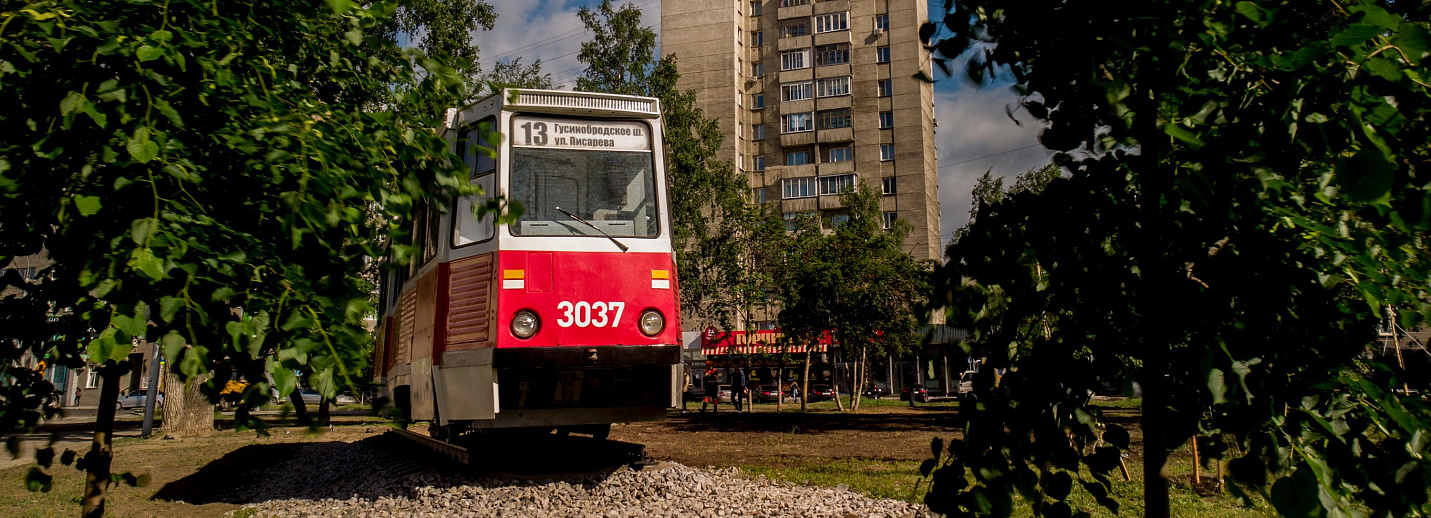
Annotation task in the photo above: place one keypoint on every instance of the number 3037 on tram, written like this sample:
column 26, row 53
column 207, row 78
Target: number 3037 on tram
column 564, row 319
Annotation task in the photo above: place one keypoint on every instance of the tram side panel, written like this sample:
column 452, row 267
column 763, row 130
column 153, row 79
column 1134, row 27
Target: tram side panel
column 464, row 380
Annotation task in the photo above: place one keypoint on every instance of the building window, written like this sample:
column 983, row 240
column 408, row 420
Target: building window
column 887, row 185
column 882, row 21
column 757, row 132
column 841, row 154
column 832, row 22
column 91, row 379
column 796, row 91
column 839, row 220
column 837, row 54
column 886, row 152
column 757, row 69
column 758, row 102
column 740, row 162
column 793, row 3
column 757, row 38
column 885, row 88
column 797, row 158
column 760, row 163
column 886, row 120
column 889, row 218
column 792, row 218
column 836, row 184
column 833, row 119
column 755, row 9
column 792, row 188
column 797, row 122
column 833, row 86
column 795, row 28
column 795, row 59
column 882, row 54
column 758, row 195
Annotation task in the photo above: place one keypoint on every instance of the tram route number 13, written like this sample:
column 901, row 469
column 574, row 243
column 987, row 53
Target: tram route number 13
column 592, row 314
column 536, row 135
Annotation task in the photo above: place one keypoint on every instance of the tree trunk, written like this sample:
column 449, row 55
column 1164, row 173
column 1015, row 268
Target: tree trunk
column 323, row 418
column 187, row 412
column 1156, row 476
column 805, row 381
column 780, row 385
column 300, row 410
column 101, row 453
column 838, row 403
column 860, row 380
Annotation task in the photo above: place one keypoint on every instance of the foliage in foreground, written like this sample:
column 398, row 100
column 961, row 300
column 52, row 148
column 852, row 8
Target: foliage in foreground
column 1246, row 194
column 212, row 176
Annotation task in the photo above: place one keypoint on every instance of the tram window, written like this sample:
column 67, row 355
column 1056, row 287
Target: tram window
column 482, row 166
column 419, row 238
column 614, row 190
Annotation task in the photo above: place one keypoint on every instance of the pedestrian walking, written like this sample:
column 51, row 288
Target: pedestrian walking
column 795, row 391
column 712, row 390
column 737, row 388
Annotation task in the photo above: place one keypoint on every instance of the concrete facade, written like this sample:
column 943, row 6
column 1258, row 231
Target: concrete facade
column 779, row 75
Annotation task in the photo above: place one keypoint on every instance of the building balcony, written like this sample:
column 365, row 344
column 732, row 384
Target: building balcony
column 832, row 71
column 829, row 38
column 773, row 174
column 794, row 42
column 836, row 135
column 799, row 11
column 831, row 6
column 803, row 138
column 789, row 107
column 830, row 202
column 830, row 103
column 799, row 74
column 834, row 168
column 799, row 205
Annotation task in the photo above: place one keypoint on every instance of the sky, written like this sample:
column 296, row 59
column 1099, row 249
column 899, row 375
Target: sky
column 974, row 134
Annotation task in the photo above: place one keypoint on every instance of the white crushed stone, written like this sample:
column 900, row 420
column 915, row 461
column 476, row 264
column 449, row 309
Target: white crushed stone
column 335, row 479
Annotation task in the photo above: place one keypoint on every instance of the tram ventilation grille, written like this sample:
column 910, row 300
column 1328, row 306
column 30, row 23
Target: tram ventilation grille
column 595, row 103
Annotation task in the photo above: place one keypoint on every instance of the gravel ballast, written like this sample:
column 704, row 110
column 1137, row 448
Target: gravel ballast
column 356, row 479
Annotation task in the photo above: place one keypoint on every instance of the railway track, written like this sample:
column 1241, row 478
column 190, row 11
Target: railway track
column 516, row 454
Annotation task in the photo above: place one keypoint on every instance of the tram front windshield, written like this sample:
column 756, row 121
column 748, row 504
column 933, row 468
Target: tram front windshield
column 613, row 190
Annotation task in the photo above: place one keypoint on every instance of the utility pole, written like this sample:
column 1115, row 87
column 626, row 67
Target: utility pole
column 153, row 393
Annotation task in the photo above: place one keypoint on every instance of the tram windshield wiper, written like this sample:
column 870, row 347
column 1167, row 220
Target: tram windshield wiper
column 598, row 229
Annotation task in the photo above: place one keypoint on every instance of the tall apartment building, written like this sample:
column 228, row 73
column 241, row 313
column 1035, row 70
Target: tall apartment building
column 815, row 95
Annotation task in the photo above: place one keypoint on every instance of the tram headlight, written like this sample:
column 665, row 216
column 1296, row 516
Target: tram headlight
column 652, row 322
column 525, row 324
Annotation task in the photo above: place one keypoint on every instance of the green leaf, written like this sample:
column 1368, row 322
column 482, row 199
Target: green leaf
column 140, row 148
column 222, row 294
column 283, row 379
column 1355, row 35
column 354, row 36
column 1365, row 177
column 172, row 344
column 141, row 229
column 37, row 480
column 193, row 362
column 148, row 53
column 161, row 35
column 1182, row 134
column 87, row 205
column 105, row 348
column 340, row 6
column 168, row 307
column 1252, row 12
column 143, row 260
column 1216, row 384
column 133, row 326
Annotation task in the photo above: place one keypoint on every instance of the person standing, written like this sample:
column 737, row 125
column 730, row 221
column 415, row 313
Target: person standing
column 737, row 388
column 795, row 392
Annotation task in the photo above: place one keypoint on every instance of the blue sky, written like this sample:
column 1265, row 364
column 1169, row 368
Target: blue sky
column 974, row 135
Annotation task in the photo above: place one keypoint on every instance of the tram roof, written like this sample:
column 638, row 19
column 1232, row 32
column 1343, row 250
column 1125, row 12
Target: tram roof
column 566, row 102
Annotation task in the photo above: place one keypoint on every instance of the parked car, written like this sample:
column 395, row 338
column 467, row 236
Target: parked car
column 136, row 399
column 769, row 394
column 723, row 393
column 917, row 391
column 821, row 392
column 966, row 385
column 694, row 394
column 875, row 392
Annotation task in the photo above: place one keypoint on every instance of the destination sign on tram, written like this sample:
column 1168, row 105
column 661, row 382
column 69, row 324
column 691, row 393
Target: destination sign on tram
column 581, row 134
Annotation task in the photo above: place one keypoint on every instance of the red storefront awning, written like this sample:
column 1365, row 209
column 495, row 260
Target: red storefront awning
column 772, row 341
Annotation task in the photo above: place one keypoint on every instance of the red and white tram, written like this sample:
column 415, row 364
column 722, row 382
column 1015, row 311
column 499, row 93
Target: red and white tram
column 565, row 319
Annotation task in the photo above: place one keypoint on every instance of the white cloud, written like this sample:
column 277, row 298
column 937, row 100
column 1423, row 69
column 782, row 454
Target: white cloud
column 973, row 125
column 548, row 30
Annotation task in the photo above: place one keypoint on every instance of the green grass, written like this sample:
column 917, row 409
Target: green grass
column 900, row 480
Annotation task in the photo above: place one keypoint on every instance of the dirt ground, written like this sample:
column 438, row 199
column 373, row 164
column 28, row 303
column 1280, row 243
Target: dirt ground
column 876, row 451
column 191, row 476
